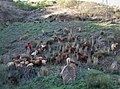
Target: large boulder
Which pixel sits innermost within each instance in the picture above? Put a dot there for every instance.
(68, 74)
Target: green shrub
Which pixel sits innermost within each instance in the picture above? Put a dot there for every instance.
(100, 54)
(118, 57)
(117, 14)
(23, 6)
(93, 9)
(31, 6)
(98, 80)
(44, 3)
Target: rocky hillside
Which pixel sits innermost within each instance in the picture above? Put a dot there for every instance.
(10, 11)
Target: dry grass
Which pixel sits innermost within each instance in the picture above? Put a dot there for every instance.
(89, 9)
(67, 3)
(93, 9)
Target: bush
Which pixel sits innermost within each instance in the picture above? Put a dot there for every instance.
(100, 54)
(3, 76)
(94, 10)
(44, 3)
(117, 14)
(31, 6)
(98, 80)
(67, 3)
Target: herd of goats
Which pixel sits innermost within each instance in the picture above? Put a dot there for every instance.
(64, 47)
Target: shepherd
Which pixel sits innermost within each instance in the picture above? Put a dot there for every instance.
(28, 48)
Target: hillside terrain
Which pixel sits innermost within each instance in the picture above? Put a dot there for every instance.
(60, 27)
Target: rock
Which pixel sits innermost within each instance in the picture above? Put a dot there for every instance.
(114, 66)
(68, 74)
(95, 61)
(44, 71)
(33, 44)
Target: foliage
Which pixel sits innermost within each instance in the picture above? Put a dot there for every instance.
(117, 14)
(98, 80)
(89, 80)
(89, 10)
(51, 82)
(118, 57)
(31, 6)
(100, 54)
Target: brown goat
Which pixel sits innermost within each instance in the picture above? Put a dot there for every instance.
(37, 62)
(58, 59)
(47, 58)
(57, 39)
(86, 44)
(17, 63)
(64, 55)
(64, 39)
(53, 59)
(114, 47)
(81, 57)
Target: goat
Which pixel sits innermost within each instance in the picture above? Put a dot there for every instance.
(35, 53)
(86, 44)
(18, 64)
(39, 61)
(114, 48)
(65, 55)
(64, 39)
(40, 49)
(47, 58)
(10, 66)
(58, 59)
(30, 65)
(53, 59)
(36, 62)
(27, 62)
(25, 57)
(44, 62)
(81, 57)
(71, 62)
(57, 39)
